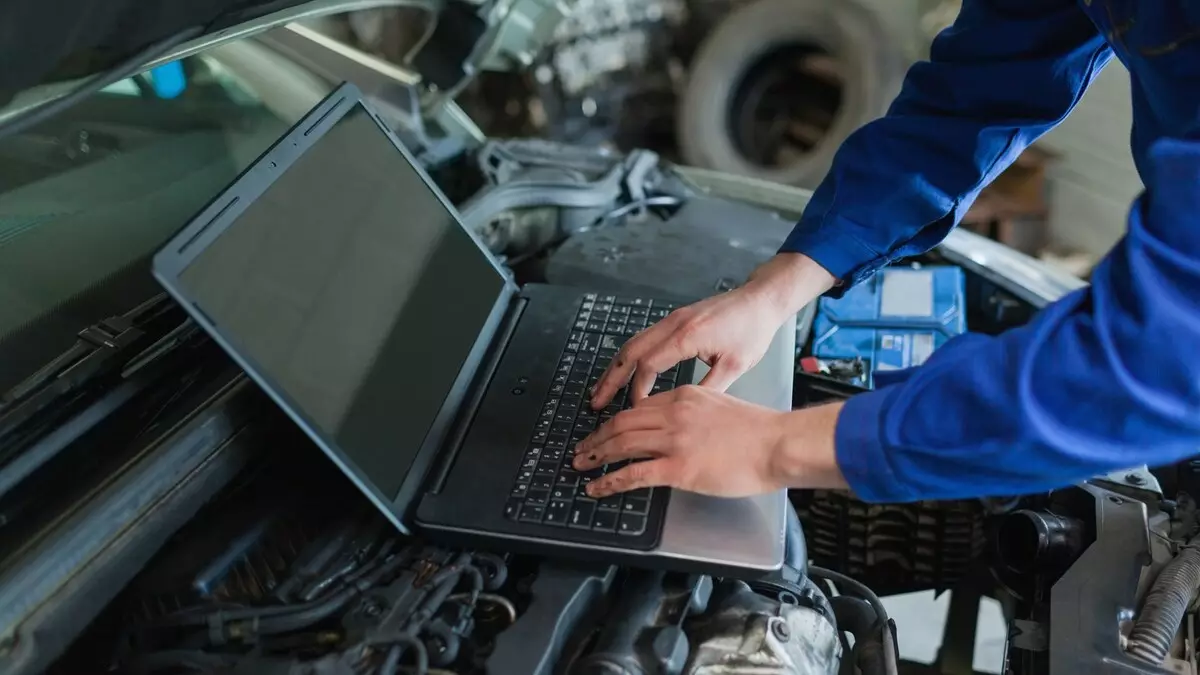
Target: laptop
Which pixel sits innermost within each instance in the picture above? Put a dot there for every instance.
(342, 280)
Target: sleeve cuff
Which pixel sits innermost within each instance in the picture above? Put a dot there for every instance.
(831, 246)
(860, 451)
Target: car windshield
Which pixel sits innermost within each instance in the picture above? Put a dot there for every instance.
(87, 196)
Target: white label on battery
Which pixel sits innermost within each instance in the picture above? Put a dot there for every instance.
(907, 293)
(922, 347)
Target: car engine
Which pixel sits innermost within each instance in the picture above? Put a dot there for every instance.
(215, 538)
(269, 581)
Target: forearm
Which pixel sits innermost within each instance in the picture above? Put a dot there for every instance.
(1005, 73)
(1104, 379)
(805, 457)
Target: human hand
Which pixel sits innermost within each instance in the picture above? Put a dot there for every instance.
(698, 439)
(730, 332)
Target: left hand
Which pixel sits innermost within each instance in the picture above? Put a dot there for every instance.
(698, 439)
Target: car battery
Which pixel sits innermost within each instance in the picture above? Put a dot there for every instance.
(892, 321)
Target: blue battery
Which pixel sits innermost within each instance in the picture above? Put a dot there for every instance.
(894, 320)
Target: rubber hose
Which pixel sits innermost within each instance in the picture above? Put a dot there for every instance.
(1168, 600)
(495, 570)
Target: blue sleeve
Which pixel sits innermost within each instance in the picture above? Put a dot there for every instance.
(1106, 378)
(1005, 73)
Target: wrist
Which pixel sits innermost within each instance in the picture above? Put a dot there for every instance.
(805, 456)
(788, 281)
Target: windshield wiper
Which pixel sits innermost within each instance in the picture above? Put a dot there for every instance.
(103, 349)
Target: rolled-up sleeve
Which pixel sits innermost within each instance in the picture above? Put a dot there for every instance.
(1104, 379)
(1001, 76)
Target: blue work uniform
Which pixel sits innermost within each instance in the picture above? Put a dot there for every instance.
(1106, 378)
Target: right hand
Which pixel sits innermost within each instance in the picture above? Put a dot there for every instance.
(730, 332)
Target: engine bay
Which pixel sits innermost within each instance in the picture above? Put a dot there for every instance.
(218, 540)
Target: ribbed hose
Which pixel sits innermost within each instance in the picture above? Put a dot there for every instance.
(1168, 600)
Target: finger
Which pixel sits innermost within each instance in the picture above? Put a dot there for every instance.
(619, 371)
(659, 400)
(653, 473)
(621, 423)
(666, 354)
(632, 445)
(724, 372)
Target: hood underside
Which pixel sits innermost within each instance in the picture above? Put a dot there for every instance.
(48, 40)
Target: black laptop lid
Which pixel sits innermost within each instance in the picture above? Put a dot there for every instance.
(352, 293)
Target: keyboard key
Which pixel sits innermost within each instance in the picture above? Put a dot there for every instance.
(636, 505)
(562, 493)
(542, 482)
(512, 509)
(631, 525)
(557, 512)
(537, 497)
(520, 489)
(568, 478)
(610, 503)
(581, 491)
(556, 441)
(605, 521)
(525, 476)
(582, 514)
(546, 467)
(532, 514)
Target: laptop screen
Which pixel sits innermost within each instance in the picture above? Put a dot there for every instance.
(355, 291)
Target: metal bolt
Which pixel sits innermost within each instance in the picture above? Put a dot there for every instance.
(781, 631)
(1134, 478)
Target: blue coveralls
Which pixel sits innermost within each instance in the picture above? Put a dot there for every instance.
(1107, 377)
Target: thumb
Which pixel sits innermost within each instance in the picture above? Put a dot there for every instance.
(724, 372)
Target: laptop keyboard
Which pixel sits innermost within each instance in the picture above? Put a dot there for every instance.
(547, 490)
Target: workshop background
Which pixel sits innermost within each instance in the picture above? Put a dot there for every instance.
(769, 88)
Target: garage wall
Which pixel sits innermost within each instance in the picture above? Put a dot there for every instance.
(1093, 181)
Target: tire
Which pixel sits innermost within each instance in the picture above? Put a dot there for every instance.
(870, 63)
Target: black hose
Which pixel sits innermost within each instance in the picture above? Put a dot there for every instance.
(496, 570)
(314, 612)
(421, 656)
(1168, 600)
(871, 649)
(795, 550)
(204, 616)
(846, 584)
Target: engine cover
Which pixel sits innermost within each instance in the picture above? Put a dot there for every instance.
(709, 246)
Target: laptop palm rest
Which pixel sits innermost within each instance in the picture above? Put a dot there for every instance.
(741, 533)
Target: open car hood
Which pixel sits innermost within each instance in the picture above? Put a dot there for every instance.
(47, 41)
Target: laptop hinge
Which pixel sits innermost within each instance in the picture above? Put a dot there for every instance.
(462, 422)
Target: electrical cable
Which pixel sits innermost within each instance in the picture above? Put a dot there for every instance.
(39, 113)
